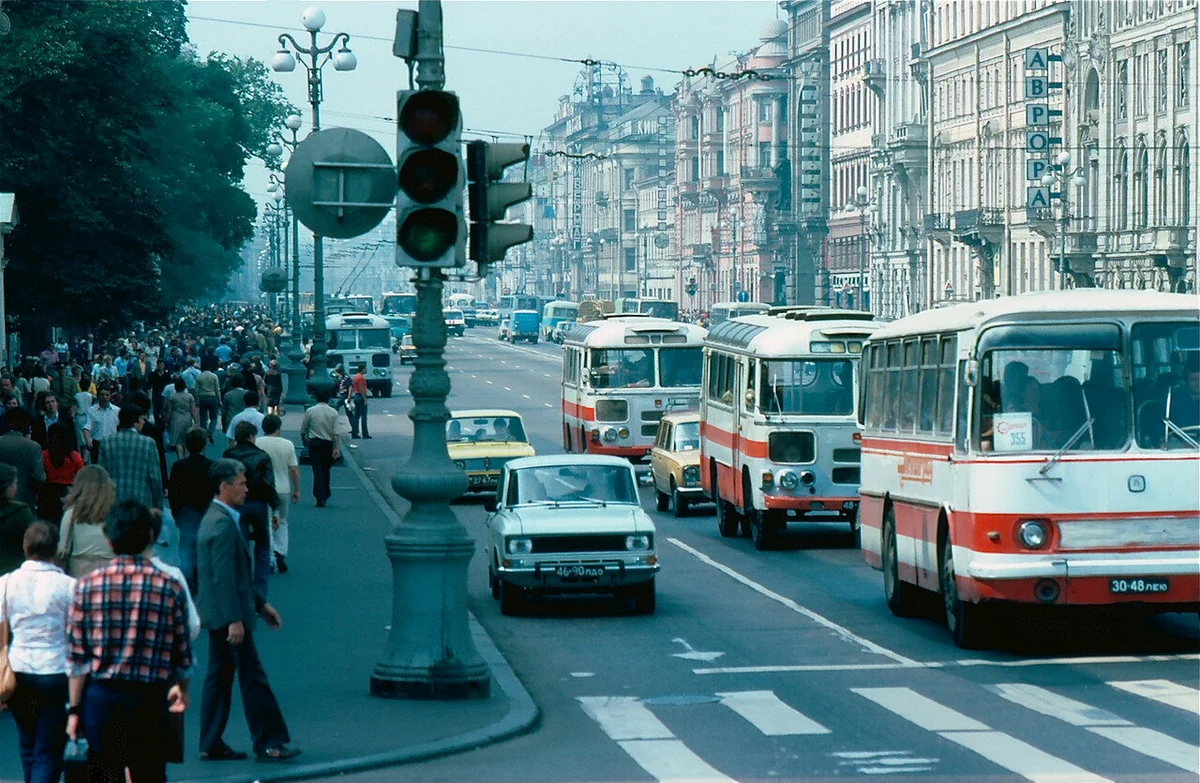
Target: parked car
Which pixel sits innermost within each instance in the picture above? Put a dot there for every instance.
(456, 324)
(560, 331)
(570, 524)
(482, 441)
(675, 463)
(407, 350)
(487, 317)
(524, 325)
(505, 325)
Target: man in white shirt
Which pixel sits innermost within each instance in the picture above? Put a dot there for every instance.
(101, 422)
(251, 414)
(287, 475)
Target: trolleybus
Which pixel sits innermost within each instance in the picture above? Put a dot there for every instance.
(620, 375)
(556, 312)
(721, 312)
(361, 339)
(511, 302)
(398, 304)
(779, 441)
(1038, 449)
(659, 308)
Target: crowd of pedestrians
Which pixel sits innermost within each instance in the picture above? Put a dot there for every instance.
(101, 629)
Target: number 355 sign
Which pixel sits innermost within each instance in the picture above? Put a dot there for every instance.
(1013, 432)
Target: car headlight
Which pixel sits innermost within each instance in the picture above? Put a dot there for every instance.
(458, 463)
(691, 474)
(610, 434)
(788, 479)
(623, 433)
(1032, 533)
(520, 546)
(637, 543)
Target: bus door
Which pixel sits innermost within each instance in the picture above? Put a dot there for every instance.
(739, 391)
(578, 373)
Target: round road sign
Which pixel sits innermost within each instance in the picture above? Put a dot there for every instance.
(273, 280)
(340, 182)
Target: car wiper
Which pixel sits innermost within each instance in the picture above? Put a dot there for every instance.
(1179, 432)
(1056, 456)
(602, 503)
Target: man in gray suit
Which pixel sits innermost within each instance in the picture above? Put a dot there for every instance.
(23, 454)
(228, 604)
(132, 460)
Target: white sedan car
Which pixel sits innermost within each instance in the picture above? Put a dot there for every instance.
(570, 524)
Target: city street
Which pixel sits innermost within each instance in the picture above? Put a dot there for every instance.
(787, 664)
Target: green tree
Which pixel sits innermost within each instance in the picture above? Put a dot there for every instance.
(126, 152)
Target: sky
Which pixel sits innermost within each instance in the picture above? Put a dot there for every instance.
(499, 93)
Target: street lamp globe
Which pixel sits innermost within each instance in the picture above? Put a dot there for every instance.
(283, 62)
(274, 149)
(1064, 159)
(277, 195)
(1047, 180)
(862, 193)
(293, 122)
(1077, 179)
(272, 187)
(344, 60)
(313, 19)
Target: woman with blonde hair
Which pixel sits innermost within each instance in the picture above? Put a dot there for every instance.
(81, 541)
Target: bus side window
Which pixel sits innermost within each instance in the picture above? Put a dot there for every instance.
(892, 396)
(909, 388)
(927, 409)
(749, 394)
(945, 400)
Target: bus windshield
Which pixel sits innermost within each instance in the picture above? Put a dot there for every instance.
(817, 387)
(622, 368)
(369, 339)
(680, 366)
(1166, 384)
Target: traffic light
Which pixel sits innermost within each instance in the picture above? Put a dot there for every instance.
(430, 222)
(691, 287)
(490, 199)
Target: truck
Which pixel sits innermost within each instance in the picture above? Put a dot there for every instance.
(524, 325)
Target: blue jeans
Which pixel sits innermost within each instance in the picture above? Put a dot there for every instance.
(39, 708)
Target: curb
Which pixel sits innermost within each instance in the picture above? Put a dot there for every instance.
(523, 714)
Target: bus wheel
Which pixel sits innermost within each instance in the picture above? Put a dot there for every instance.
(761, 529)
(856, 529)
(901, 596)
(965, 621)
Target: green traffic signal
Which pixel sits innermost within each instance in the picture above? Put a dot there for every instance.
(428, 234)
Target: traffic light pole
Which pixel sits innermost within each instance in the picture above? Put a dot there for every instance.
(429, 651)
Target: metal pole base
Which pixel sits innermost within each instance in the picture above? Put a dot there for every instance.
(294, 392)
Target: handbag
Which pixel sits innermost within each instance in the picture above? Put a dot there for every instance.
(8, 678)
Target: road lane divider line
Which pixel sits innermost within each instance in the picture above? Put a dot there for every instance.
(507, 388)
(1148, 742)
(548, 405)
(966, 663)
(647, 740)
(1164, 692)
(1001, 749)
(526, 396)
(840, 630)
(769, 714)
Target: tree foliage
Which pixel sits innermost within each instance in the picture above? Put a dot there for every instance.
(126, 152)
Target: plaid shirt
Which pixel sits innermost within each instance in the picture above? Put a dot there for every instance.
(131, 459)
(128, 621)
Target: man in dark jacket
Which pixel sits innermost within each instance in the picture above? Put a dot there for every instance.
(261, 498)
(190, 492)
(23, 454)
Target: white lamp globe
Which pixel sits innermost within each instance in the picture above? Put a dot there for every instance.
(283, 62)
(313, 19)
(344, 60)
(1064, 159)
(275, 149)
(1047, 180)
(293, 122)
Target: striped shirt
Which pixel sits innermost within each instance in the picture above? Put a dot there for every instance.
(129, 621)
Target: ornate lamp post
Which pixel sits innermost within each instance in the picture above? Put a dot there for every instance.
(317, 58)
(866, 210)
(1058, 174)
(293, 350)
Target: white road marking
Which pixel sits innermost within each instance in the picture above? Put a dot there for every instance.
(997, 747)
(886, 762)
(1164, 692)
(507, 388)
(548, 405)
(693, 654)
(583, 674)
(647, 740)
(490, 383)
(965, 663)
(769, 714)
(1076, 713)
(841, 631)
(526, 396)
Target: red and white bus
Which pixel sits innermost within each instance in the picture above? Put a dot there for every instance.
(779, 441)
(1037, 449)
(620, 375)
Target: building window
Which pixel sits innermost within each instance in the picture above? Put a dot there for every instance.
(1160, 81)
(764, 110)
(1141, 187)
(629, 220)
(1141, 83)
(1160, 182)
(1120, 186)
(1184, 76)
(1183, 192)
(1122, 89)
(631, 259)
(627, 178)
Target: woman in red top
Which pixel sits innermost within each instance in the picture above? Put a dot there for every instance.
(61, 462)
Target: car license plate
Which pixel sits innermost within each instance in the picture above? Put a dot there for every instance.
(580, 572)
(1140, 585)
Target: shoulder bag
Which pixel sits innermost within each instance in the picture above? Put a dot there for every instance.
(8, 678)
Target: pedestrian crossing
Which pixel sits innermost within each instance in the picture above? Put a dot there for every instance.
(830, 742)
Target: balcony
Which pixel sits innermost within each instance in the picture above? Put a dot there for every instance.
(601, 198)
(906, 143)
(875, 75)
(979, 227)
(937, 227)
(1075, 254)
(1170, 239)
(716, 184)
(758, 177)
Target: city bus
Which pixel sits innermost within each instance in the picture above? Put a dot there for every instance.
(779, 441)
(620, 375)
(1038, 449)
(659, 308)
(554, 313)
(361, 338)
(398, 304)
(511, 302)
(361, 303)
(721, 312)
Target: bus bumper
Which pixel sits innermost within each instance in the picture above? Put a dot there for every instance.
(790, 503)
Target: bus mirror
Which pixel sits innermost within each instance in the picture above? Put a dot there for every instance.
(972, 372)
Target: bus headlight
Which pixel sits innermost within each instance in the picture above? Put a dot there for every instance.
(623, 433)
(458, 463)
(1032, 533)
(520, 546)
(610, 434)
(807, 478)
(788, 479)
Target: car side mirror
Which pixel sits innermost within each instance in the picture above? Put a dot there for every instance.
(491, 504)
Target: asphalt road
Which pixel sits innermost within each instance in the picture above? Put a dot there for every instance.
(787, 665)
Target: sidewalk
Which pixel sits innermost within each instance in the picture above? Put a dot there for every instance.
(335, 602)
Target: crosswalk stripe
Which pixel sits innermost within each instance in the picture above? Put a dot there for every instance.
(1145, 741)
(624, 718)
(769, 714)
(671, 760)
(1001, 749)
(1164, 692)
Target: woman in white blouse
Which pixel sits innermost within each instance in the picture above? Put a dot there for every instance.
(35, 600)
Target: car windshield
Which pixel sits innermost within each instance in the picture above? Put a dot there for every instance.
(453, 315)
(687, 436)
(485, 429)
(680, 366)
(622, 368)
(567, 483)
(819, 387)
